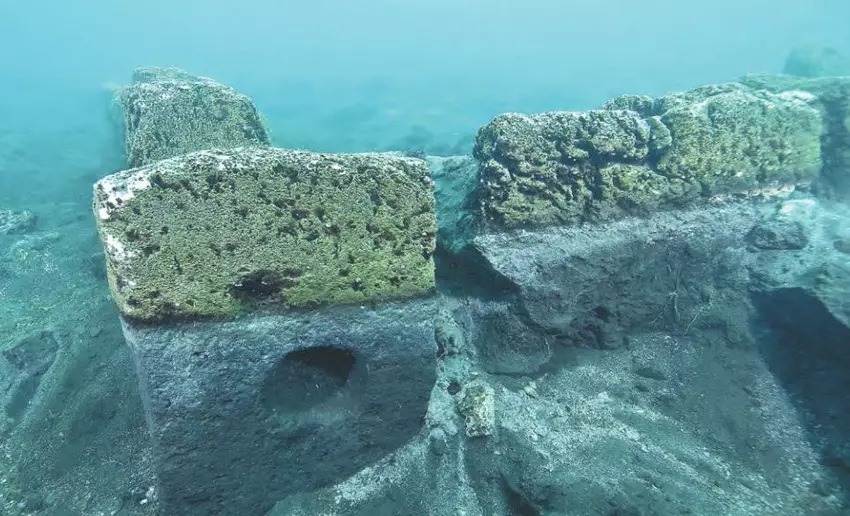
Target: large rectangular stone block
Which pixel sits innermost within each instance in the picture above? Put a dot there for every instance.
(218, 233)
(280, 308)
(638, 155)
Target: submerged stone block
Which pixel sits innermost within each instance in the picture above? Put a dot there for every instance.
(168, 112)
(831, 96)
(327, 259)
(638, 155)
(247, 412)
(222, 232)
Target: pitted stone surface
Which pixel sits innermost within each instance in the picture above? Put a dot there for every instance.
(219, 232)
(638, 155)
(168, 112)
(831, 96)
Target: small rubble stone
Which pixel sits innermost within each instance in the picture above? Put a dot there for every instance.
(437, 440)
(477, 404)
(778, 234)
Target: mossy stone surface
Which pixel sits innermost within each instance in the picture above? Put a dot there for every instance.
(220, 232)
(832, 99)
(639, 154)
(168, 112)
(543, 169)
(740, 139)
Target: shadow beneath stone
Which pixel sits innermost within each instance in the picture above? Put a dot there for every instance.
(809, 352)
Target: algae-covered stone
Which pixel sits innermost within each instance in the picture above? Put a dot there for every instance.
(543, 169)
(740, 139)
(639, 154)
(477, 403)
(637, 189)
(168, 112)
(216, 232)
(831, 96)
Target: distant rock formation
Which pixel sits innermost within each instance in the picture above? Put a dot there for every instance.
(812, 61)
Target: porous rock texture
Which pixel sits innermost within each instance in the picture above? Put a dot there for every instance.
(216, 233)
(637, 155)
(168, 112)
(830, 96)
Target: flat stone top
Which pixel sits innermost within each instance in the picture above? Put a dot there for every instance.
(218, 233)
(637, 155)
(152, 74)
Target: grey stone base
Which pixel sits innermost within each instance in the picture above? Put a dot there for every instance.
(594, 286)
(247, 412)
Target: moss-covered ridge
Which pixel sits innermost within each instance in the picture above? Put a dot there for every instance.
(168, 112)
(219, 232)
(639, 154)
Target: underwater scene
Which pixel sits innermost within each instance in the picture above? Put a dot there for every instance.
(425, 258)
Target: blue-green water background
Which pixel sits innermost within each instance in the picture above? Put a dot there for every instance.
(343, 76)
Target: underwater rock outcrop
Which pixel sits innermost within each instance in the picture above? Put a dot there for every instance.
(168, 112)
(593, 347)
(616, 258)
(280, 308)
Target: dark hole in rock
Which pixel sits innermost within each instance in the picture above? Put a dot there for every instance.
(256, 285)
(601, 312)
(306, 378)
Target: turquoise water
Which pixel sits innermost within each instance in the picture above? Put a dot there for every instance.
(329, 76)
